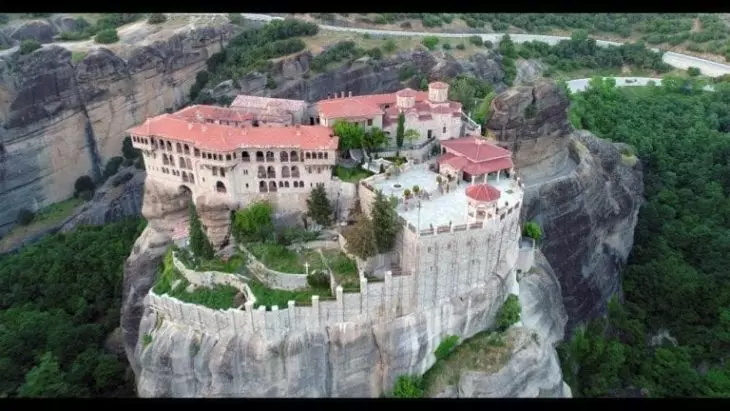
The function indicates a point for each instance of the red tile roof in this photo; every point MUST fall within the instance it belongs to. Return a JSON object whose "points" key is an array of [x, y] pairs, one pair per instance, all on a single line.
{"points": [[360, 106], [476, 149], [438, 85], [406, 92], [489, 166], [192, 113], [482, 192], [227, 138], [269, 104]]}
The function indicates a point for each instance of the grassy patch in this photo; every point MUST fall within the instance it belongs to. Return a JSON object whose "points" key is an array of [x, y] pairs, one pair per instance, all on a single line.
{"points": [[236, 264], [172, 283], [343, 268], [629, 159], [351, 175], [146, 340], [45, 219], [77, 56], [279, 258], [268, 296], [485, 352]]}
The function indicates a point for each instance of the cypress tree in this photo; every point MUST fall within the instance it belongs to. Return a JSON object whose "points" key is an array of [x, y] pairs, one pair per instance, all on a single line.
{"points": [[199, 243], [319, 207], [400, 131], [385, 223]]}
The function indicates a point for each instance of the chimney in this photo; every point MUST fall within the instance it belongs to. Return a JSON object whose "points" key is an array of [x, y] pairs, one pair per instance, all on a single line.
{"points": [[349, 94]]}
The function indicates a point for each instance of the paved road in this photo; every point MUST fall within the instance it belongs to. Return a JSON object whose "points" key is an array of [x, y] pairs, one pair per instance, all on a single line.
{"points": [[581, 84], [682, 61]]}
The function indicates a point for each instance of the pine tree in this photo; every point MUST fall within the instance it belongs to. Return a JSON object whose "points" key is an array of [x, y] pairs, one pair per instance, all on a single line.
{"points": [[199, 243], [361, 238], [319, 207], [385, 223], [400, 132], [45, 380]]}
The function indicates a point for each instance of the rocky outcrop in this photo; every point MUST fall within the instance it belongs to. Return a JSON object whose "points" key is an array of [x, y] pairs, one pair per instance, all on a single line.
{"points": [[528, 72], [63, 118], [41, 31], [541, 300], [215, 216], [578, 188], [364, 76]]}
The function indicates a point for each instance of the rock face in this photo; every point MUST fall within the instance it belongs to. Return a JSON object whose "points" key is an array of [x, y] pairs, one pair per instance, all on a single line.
{"points": [[41, 31], [62, 119], [364, 76], [578, 188]]}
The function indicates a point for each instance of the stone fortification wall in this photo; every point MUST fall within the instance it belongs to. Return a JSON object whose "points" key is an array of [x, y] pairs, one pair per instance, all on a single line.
{"points": [[376, 302], [211, 278], [272, 278]]}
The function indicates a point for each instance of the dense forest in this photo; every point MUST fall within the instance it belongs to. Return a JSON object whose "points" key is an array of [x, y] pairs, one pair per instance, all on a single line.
{"points": [[676, 281], [59, 301]]}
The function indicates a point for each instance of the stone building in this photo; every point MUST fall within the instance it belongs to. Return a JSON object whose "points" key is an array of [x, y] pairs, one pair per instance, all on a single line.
{"points": [[428, 112], [219, 153]]}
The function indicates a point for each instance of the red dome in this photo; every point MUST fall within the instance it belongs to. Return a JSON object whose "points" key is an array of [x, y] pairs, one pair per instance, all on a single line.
{"points": [[483, 192]]}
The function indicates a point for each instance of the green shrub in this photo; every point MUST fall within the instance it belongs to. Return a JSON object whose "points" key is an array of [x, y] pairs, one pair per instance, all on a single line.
{"points": [[446, 346], [318, 280], [693, 71], [476, 40], [146, 340], [408, 387], [108, 36], [389, 46], [29, 46], [157, 18], [406, 25], [509, 313], [375, 53], [84, 183], [112, 166], [460, 46], [430, 42], [446, 46], [270, 83], [25, 216], [532, 230], [488, 44]]}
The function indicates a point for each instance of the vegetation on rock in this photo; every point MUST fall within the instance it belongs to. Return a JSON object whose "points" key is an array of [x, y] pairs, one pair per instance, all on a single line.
{"points": [[200, 246], [509, 313], [254, 223], [107, 36], [60, 299], [532, 230], [361, 238], [29, 46], [676, 279], [157, 18]]}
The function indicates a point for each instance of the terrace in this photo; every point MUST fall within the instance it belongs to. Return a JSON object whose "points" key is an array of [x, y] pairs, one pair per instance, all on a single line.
{"points": [[441, 209]]}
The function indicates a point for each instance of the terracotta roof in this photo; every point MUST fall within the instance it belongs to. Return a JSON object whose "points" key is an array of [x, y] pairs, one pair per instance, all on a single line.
{"points": [[227, 138], [438, 85], [192, 113], [406, 92], [489, 166], [456, 162], [360, 106], [476, 149], [482, 192]]}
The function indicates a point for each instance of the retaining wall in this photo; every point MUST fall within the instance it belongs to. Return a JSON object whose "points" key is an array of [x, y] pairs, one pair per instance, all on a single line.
{"points": [[272, 278], [213, 278]]}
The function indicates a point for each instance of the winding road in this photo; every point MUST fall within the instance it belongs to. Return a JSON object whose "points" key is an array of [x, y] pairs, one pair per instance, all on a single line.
{"points": [[681, 61]]}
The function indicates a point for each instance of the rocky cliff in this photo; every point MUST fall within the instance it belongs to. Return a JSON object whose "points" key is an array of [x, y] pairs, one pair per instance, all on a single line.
{"points": [[584, 193], [63, 114]]}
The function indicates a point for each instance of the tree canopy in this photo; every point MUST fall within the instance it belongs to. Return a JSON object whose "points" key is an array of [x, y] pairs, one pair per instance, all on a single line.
{"points": [[319, 207], [254, 223]]}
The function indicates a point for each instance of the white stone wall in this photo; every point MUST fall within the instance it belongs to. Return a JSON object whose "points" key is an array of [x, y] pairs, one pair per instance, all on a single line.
{"points": [[272, 278], [211, 278]]}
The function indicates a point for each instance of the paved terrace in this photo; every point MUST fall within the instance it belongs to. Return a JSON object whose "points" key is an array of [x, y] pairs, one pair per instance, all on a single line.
{"points": [[441, 209]]}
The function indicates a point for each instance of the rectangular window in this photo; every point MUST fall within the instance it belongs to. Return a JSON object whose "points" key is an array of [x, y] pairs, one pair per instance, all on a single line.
{"points": [[245, 172], [370, 122], [228, 156], [215, 171], [444, 129]]}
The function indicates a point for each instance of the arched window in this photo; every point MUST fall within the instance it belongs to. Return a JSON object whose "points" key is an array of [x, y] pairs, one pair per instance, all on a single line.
{"points": [[182, 162], [220, 187], [272, 186], [178, 146], [308, 155], [185, 177], [281, 184], [301, 184], [259, 156], [192, 178], [284, 156], [245, 157], [295, 184], [169, 146], [320, 156], [262, 187], [186, 149], [271, 172], [262, 172], [325, 156], [285, 172], [286, 184], [189, 163], [165, 161], [294, 156], [294, 172], [269, 156]]}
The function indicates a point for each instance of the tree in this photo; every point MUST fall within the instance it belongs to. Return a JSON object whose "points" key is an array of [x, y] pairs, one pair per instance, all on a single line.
{"points": [[400, 130], [507, 47], [509, 313], [411, 136], [199, 243], [350, 134], [389, 46], [128, 150], [45, 380], [532, 230], [385, 223], [430, 42], [408, 387], [319, 207], [29, 46], [693, 71], [106, 36], [374, 139], [254, 223], [157, 18], [83, 184], [361, 238]]}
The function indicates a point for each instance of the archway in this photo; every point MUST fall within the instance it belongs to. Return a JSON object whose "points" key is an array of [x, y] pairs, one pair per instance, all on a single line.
{"points": [[220, 187]]}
